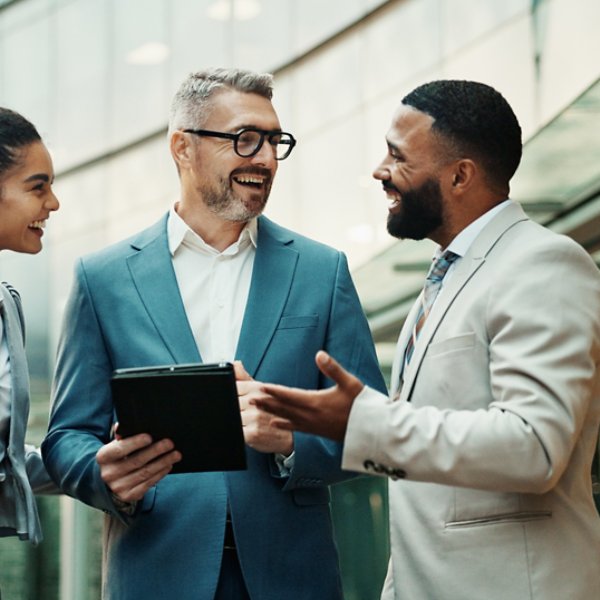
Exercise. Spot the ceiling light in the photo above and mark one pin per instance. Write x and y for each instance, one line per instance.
(151, 53)
(243, 10)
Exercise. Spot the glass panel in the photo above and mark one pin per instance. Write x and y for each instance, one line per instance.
(82, 82)
(139, 98)
(27, 64)
(315, 20)
(197, 40)
(402, 42)
(262, 39)
(468, 20)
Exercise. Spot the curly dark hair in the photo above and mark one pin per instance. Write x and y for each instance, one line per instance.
(16, 132)
(475, 121)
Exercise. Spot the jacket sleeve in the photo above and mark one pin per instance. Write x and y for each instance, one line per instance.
(40, 481)
(82, 414)
(539, 354)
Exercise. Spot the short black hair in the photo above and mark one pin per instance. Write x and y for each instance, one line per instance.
(476, 120)
(16, 132)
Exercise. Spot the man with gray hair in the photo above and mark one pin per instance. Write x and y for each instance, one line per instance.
(212, 281)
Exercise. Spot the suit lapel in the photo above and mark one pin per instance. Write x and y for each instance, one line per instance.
(153, 276)
(465, 269)
(18, 370)
(272, 276)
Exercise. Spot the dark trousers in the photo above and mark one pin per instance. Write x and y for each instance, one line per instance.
(231, 582)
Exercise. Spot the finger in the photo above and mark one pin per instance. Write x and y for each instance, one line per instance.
(244, 403)
(141, 458)
(246, 417)
(289, 403)
(137, 492)
(273, 394)
(245, 387)
(240, 372)
(118, 449)
(332, 369)
(133, 488)
(149, 472)
(280, 423)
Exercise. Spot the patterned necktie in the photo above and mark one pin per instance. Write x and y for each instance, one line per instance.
(433, 283)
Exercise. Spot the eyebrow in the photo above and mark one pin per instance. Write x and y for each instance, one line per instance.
(278, 129)
(39, 177)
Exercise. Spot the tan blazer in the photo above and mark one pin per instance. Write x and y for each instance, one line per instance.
(492, 437)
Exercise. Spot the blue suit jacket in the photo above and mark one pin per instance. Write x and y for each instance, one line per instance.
(124, 311)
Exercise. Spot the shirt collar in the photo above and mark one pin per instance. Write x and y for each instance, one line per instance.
(463, 241)
(178, 234)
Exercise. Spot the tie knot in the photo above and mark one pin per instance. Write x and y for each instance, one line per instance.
(441, 265)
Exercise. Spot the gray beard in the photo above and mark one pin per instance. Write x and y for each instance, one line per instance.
(222, 202)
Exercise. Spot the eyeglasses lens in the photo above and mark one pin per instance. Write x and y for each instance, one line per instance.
(249, 143)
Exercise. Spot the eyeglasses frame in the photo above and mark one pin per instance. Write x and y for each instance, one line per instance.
(236, 136)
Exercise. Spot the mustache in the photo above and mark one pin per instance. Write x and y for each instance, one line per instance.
(389, 186)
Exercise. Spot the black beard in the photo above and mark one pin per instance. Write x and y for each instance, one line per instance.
(421, 212)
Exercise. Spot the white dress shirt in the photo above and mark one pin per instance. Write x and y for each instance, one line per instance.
(214, 286)
(462, 242)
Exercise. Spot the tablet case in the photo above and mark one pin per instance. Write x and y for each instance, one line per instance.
(195, 405)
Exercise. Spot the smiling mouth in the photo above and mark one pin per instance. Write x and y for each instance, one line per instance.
(37, 224)
(394, 196)
(252, 180)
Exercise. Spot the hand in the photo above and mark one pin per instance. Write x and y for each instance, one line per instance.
(259, 434)
(323, 412)
(131, 466)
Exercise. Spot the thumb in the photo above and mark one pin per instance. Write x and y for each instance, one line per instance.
(240, 373)
(332, 369)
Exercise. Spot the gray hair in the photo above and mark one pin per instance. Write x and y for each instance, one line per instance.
(191, 104)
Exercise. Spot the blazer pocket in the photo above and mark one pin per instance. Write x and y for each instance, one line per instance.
(298, 322)
(453, 344)
(516, 517)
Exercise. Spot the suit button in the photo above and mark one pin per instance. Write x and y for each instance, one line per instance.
(397, 474)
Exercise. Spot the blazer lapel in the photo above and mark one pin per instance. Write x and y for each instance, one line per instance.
(153, 276)
(18, 371)
(272, 276)
(465, 269)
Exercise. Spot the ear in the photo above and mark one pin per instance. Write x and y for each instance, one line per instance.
(462, 175)
(181, 149)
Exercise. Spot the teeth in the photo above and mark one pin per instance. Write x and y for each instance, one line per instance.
(38, 224)
(249, 179)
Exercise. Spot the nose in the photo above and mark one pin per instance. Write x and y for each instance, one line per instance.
(52, 202)
(265, 157)
(381, 172)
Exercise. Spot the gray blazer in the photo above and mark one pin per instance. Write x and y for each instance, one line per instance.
(21, 469)
(493, 433)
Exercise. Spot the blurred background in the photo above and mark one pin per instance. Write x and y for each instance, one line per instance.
(97, 77)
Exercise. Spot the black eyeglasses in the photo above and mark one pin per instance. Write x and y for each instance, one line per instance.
(248, 141)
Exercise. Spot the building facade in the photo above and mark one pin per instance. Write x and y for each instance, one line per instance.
(97, 77)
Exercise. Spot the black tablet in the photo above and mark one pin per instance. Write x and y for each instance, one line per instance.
(194, 405)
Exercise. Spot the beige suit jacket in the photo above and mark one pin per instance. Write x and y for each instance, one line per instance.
(491, 440)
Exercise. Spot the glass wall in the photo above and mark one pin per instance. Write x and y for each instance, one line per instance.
(97, 77)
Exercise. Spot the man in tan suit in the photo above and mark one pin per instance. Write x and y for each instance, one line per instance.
(491, 425)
